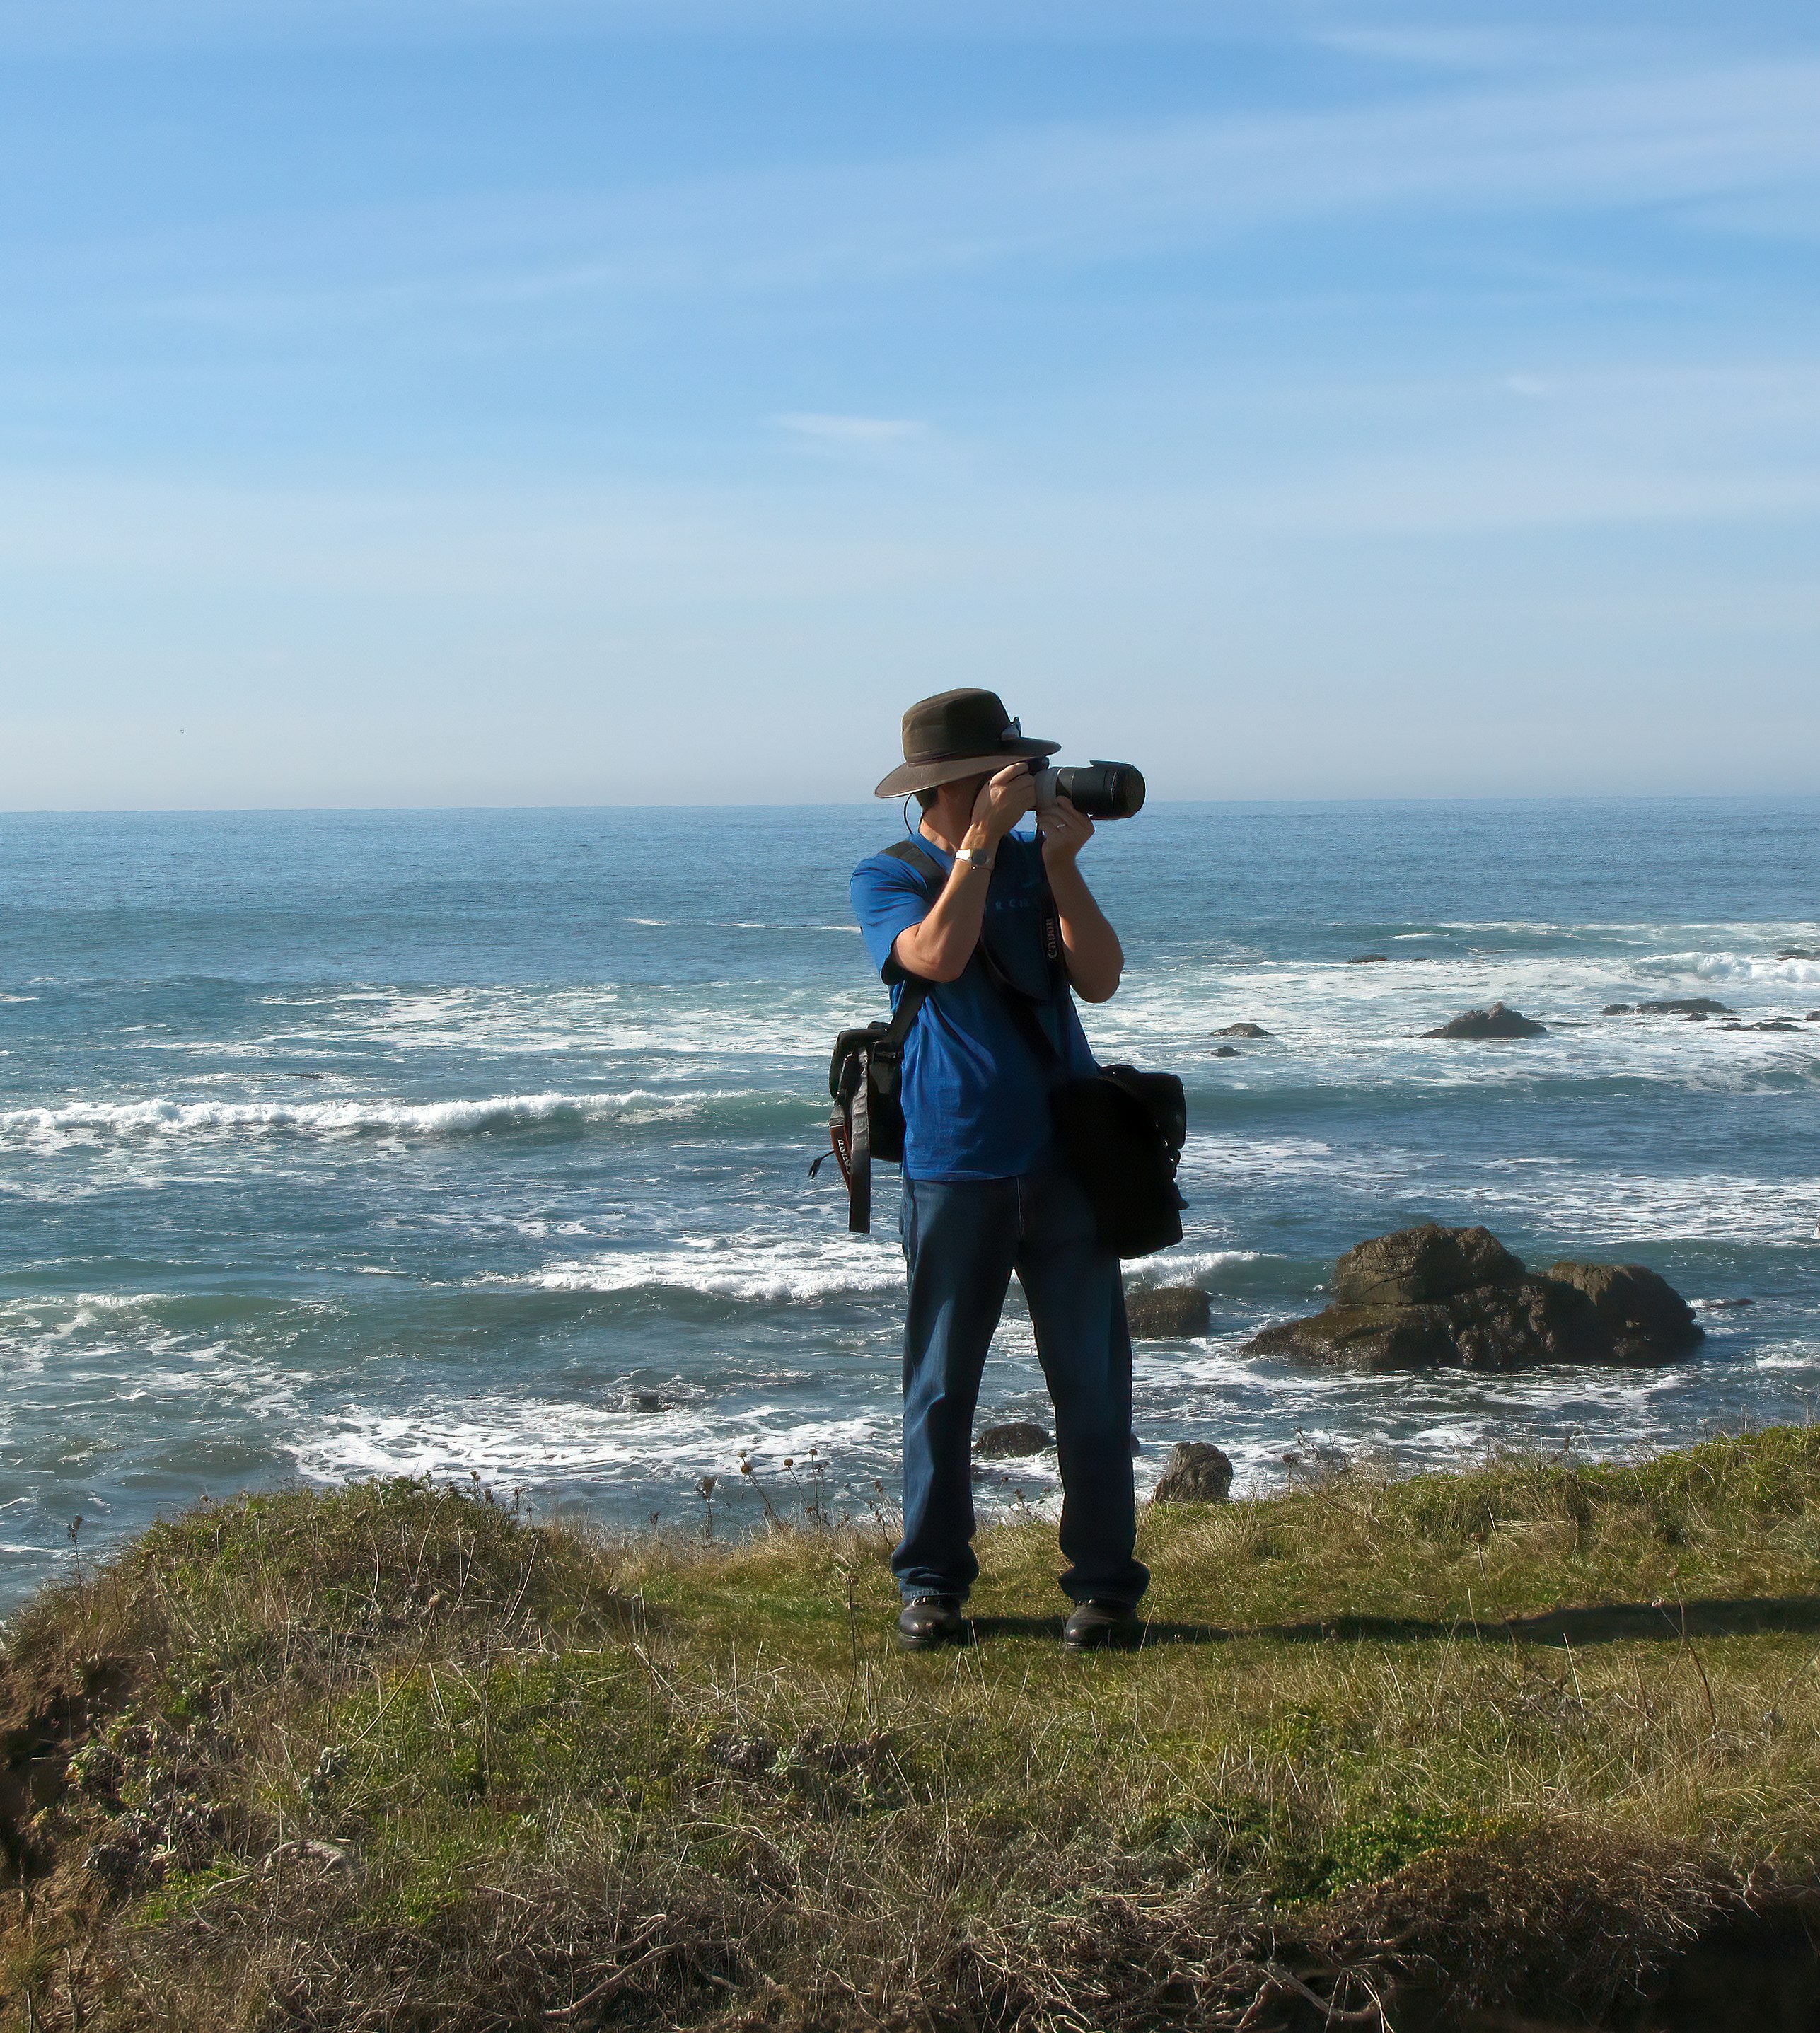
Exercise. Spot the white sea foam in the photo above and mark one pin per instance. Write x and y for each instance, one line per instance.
(1752, 967)
(159, 1115)
(771, 1271)
(539, 1442)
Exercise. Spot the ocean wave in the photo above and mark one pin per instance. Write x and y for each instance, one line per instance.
(159, 1115)
(1737, 966)
(768, 1272)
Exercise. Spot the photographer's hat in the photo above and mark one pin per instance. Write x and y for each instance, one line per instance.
(956, 735)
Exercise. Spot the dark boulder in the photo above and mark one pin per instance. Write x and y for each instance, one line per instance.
(1433, 1296)
(1012, 1441)
(1776, 1024)
(1813, 1016)
(1168, 1312)
(1417, 1264)
(1242, 1031)
(1619, 1009)
(1496, 1022)
(1367, 960)
(1645, 1319)
(1492, 1326)
(1686, 1006)
(1228, 1052)
(1198, 1473)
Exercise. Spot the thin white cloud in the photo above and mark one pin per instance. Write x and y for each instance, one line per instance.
(850, 430)
(1691, 142)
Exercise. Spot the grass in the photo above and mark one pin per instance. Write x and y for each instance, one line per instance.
(1513, 1741)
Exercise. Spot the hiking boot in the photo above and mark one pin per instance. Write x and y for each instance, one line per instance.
(1096, 1627)
(929, 1621)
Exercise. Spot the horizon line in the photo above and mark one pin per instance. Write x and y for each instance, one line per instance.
(860, 804)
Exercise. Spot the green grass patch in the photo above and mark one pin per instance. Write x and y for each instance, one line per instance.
(391, 1756)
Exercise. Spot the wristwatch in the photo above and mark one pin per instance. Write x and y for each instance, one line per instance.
(974, 858)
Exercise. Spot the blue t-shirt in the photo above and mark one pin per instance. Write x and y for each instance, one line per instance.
(975, 1101)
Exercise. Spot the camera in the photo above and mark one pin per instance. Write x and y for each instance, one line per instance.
(1099, 790)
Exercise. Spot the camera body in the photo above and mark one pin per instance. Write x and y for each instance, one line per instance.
(1099, 790)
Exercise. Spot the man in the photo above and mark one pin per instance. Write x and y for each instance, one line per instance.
(986, 1191)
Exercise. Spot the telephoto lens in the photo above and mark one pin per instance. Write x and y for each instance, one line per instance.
(1101, 790)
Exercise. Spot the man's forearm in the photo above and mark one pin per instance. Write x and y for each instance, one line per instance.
(1095, 958)
(939, 948)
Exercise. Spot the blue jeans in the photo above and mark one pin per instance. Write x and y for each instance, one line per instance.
(962, 1240)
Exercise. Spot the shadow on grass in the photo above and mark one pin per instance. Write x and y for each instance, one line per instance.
(1599, 1623)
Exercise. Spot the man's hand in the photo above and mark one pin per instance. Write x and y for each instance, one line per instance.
(1004, 800)
(1064, 832)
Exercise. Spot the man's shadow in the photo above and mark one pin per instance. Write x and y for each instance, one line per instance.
(1599, 1623)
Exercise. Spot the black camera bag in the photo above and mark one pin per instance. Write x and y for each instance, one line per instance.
(865, 1079)
(1122, 1130)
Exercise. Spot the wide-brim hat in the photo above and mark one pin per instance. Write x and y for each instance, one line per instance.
(955, 734)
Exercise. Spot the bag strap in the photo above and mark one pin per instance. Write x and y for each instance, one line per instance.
(1023, 1014)
(1021, 1006)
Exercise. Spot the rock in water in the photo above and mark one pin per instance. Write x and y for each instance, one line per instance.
(1688, 1005)
(1227, 1052)
(1012, 1441)
(1242, 1031)
(1367, 960)
(1647, 1319)
(1417, 1264)
(1431, 1296)
(1165, 1312)
(1196, 1473)
(1496, 1022)
(1618, 1009)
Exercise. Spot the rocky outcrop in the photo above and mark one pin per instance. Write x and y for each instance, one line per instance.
(1242, 1031)
(1167, 1312)
(1228, 1052)
(1643, 1315)
(1432, 1295)
(1198, 1473)
(1416, 1265)
(1496, 1022)
(1013, 1441)
(1686, 1006)
(1367, 959)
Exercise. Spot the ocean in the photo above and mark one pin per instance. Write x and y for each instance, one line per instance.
(475, 1143)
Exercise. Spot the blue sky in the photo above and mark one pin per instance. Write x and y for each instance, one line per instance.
(641, 400)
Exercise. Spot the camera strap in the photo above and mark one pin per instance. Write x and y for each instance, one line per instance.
(1019, 1004)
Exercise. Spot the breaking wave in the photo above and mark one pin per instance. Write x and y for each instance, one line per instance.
(157, 1115)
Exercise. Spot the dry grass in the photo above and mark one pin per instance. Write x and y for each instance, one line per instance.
(391, 1757)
